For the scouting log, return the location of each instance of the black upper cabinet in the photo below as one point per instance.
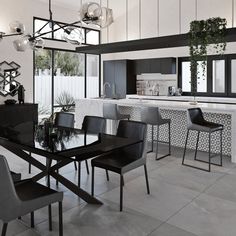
(119, 73)
(157, 65)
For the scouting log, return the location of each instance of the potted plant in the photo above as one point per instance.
(204, 36)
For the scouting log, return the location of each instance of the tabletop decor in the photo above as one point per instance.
(205, 36)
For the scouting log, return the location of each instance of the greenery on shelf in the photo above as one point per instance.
(204, 36)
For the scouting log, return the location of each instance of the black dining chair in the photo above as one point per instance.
(23, 197)
(95, 125)
(126, 159)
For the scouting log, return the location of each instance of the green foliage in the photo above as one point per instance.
(65, 100)
(70, 64)
(202, 34)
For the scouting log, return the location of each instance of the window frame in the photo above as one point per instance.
(209, 77)
(53, 49)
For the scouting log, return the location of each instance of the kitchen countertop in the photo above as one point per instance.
(162, 103)
(220, 100)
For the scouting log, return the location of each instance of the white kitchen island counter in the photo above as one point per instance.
(176, 111)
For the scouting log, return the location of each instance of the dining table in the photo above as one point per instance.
(59, 146)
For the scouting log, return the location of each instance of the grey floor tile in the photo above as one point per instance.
(170, 230)
(14, 227)
(29, 232)
(103, 220)
(177, 174)
(224, 188)
(165, 199)
(207, 216)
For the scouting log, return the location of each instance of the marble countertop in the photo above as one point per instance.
(173, 105)
(185, 98)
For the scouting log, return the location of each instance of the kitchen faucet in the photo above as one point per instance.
(104, 88)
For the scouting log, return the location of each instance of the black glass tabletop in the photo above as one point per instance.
(60, 139)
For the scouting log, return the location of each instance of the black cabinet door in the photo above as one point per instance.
(168, 66)
(121, 78)
(154, 65)
(142, 66)
(108, 76)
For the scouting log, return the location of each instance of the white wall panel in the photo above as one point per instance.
(104, 32)
(133, 19)
(169, 20)
(188, 14)
(117, 30)
(215, 8)
(149, 18)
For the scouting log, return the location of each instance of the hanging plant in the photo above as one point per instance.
(205, 35)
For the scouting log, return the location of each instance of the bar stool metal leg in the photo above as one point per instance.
(157, 133)
(185, 147)
(195, 155)
(4, 229)
(209, 169)
(169, 139)
(152, 138)
(221, 148)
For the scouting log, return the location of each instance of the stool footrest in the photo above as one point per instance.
(215, 164)
(195, 167)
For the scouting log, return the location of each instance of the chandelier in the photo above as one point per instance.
(90, 13)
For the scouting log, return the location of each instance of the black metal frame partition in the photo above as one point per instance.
(228, 77)
(53, 49)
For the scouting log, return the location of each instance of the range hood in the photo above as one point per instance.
(179, 40)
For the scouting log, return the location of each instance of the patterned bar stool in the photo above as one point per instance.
(197, 122)
(152, 116)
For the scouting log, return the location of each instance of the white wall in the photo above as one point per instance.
(24, 11)
(136, 19)
(153, 18)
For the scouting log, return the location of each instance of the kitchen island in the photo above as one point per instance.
(176, 111)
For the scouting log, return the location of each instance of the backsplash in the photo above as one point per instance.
(155, 84)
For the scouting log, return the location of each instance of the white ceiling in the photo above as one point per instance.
(71, 4)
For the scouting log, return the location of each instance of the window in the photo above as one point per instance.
(218, 79)
(186, 77)
(218, 76)
(61, 75)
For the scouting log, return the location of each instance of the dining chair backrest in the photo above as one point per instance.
(194, 116)
(8, 198)
(94, 124)
(110, 111)
(64, 119)
(137, 131)
(151, 115)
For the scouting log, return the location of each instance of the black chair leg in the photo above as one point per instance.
(146, 177)
(50, 217)
(4, 229)
(87, 167)
(195, 155)
(92, 184)
(60, 220)
(121, 192)
(209, 168)
(57, 182)
(185, 147)
(29, 164)
(107, 175)
(79, 174)
(32, 219)
(123, 182)
(75, 165)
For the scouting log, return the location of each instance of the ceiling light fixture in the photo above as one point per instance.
(90, 13)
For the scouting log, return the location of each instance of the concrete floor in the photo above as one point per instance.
(183, 201)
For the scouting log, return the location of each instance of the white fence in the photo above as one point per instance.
(73, 85)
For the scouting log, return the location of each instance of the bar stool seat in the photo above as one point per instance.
(197, 123)
(152, 116)
(111, 112)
